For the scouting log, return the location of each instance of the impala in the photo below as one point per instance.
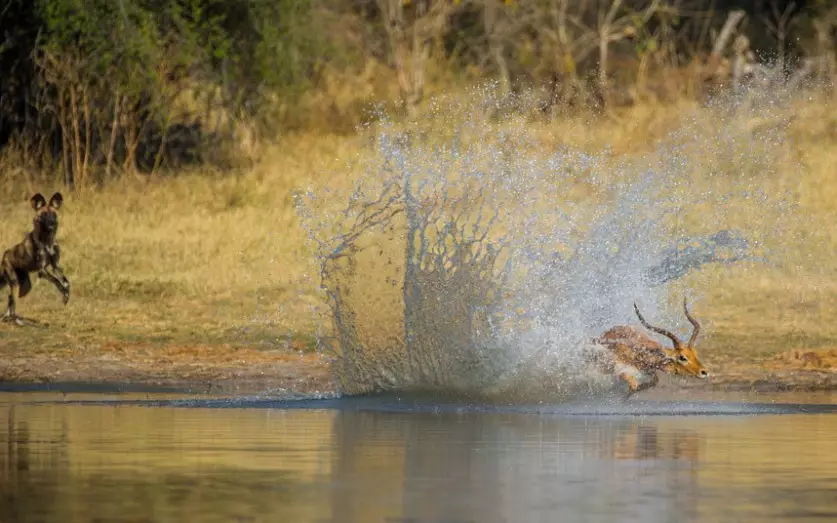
(636, 358)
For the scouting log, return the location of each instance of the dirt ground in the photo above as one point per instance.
(225, 369)
(795, 370)
(198, 369)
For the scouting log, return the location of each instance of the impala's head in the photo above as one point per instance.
(684, 358)
(46, 214)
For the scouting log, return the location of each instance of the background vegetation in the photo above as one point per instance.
(179, 130)
(95, 88)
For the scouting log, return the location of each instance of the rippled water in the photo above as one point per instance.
(102, 458)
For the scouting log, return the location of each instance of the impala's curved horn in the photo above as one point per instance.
(677, 343)
(693, 321)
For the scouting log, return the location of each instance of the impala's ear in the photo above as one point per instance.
(56, 201)
(38, 201)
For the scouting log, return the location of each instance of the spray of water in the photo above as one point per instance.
(470, 259)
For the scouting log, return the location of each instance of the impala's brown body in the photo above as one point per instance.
(636, 358)
(38, 252)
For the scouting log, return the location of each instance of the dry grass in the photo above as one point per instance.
(221, 260)
(200, 257)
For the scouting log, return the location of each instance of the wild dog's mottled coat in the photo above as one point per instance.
(38, 252)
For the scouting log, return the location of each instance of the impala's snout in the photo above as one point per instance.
(703, 374)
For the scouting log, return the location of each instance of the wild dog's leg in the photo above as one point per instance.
(24, 283)
(60, 283)
(59, 273)
(10, 275)
(9, 316)
(52, 271)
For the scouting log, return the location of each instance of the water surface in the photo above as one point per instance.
(109, 458)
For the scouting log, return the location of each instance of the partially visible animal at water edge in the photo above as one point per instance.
(636, 358)
(38, 252)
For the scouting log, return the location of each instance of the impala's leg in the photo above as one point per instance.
(649, 384)
(633, 384)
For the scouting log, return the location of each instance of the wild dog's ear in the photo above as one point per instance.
(56, 201)
(38, 201)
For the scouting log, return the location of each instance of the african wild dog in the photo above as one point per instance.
(38, 252)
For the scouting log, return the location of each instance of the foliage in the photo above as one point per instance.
(107, 79)
(95, 87)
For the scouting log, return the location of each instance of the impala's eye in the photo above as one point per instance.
(683, 359)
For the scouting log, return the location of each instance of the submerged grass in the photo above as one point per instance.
(221, 260)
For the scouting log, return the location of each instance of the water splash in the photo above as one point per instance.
(470, 259)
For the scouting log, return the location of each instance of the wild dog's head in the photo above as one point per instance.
(46, 214)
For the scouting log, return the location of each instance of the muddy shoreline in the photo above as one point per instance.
(225, 370)
(138, 367)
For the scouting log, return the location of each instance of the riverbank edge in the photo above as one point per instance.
(311, 374)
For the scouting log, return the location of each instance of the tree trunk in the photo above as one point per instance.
(605, 35)
(409, 50)
(732, 21)
(66, 165)
(495, 44)
(603, 51)
(87, 133)
(79, 175)
(114, 129)
(158, 158)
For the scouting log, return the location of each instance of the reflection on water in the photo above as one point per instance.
(131, 463)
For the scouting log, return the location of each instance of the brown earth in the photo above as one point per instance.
(194, 368)
(229, 369)
(795, 370)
